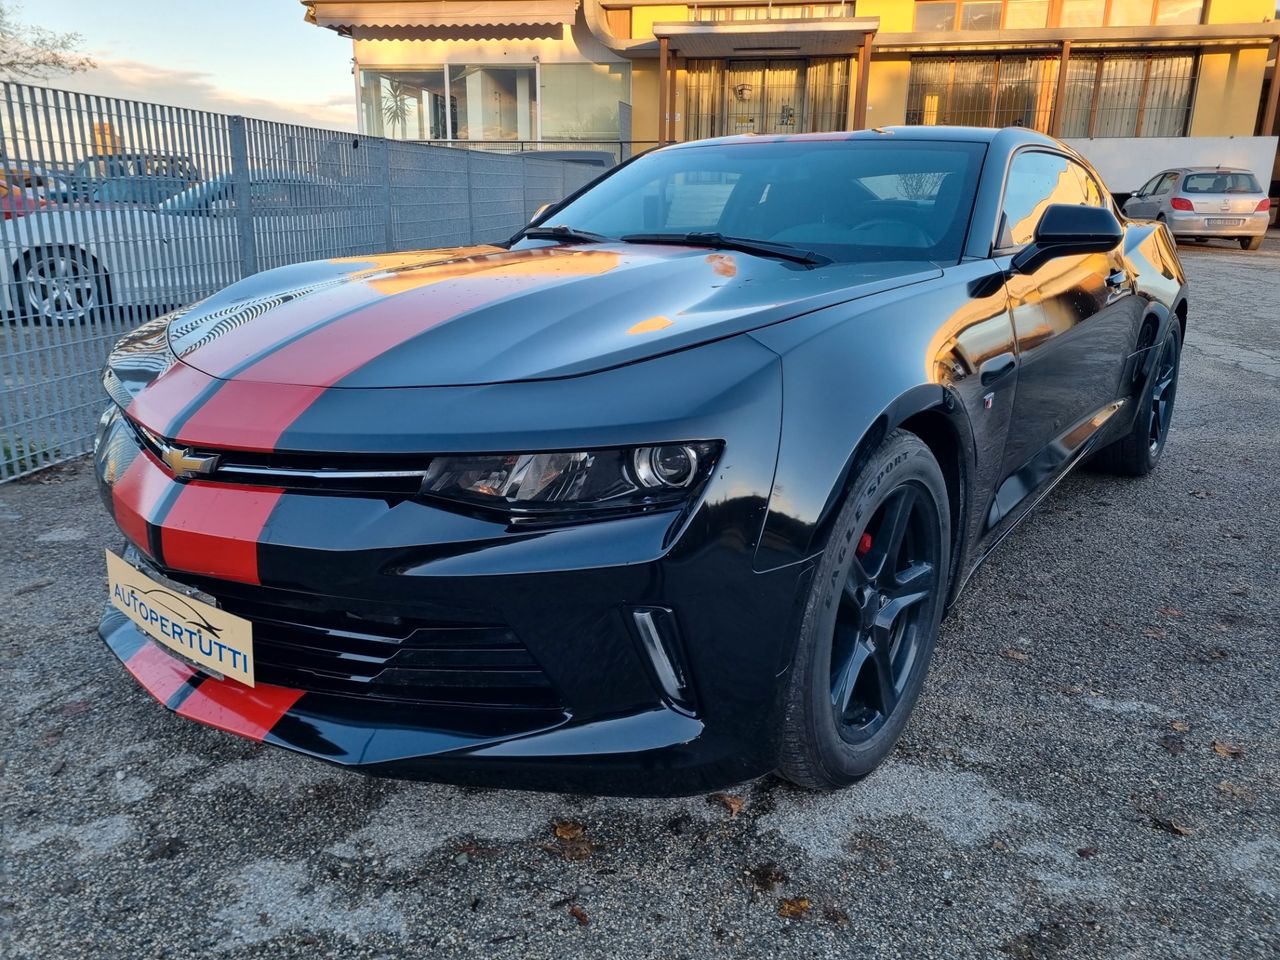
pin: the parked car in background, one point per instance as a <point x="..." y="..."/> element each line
<point x="17" y="201"/>
<point x="666" y="491"/>
<point x="146" y="178"/>
<point x="64" y="263"/>
<point x="1199" y="203"/>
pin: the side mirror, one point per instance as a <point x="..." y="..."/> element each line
<point x="1069" y="230"/>
<point x="537" y="214"/>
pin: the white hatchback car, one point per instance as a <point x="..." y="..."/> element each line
<point x="1199" y="203"/>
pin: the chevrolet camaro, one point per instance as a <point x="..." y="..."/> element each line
<point x="666" y="492"/>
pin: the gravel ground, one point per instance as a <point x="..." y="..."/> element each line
<point x="1092" y="772"/>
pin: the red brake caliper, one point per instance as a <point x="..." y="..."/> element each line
<point x="864" y="545"/>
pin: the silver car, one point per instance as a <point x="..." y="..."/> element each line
<point x="1202" y="202"/>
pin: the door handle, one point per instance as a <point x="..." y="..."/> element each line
<point x="997" y="368"/>
<point x="1117" y="279"/>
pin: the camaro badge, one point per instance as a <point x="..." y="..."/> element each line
<point x="186" y="464"/>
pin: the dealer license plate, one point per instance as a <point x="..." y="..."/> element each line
<point x="218" y="642"/>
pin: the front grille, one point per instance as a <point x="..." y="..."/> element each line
<point x="303" y="643"/>
<point x="394" y="658"/>
<point x="380" y="475"/>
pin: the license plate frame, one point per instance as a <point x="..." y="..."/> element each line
<point x="211" y="639"/>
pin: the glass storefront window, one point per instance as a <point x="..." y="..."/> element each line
<point x="1179" y="11"/>
<point x="404" y="104"/>
<point x="765" y="11"/>
<point x="935" y="15"/>
<point x="1083" y="13"/>
<point x="494" y="102"/>
<point x="980" y="15"/>
<point x="580" y="100"/>
<point x="1026" y="14"/>
<point x="1129" y="13"/>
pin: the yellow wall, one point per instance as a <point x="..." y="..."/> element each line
<point x="644" y="100"/>
<point x="1227" y="93"/>
<point x="643" y="18"/>
<point x="1240" y="11"/>
<point x="887" y="91"/>
<point x="896" y="16"/>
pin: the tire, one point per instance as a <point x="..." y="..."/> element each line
<point x="59" y="285"/>
<point x="1137" y="452"/>
<point x="1251" y="243"/>
<point x="866" y="640"/>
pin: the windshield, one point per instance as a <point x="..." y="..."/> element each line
<point x="846" y="200"/>
<point x="1220" y="183"/>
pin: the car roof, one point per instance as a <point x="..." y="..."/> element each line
<point x="913" y="133"/>
<point x="1208" y="170"/>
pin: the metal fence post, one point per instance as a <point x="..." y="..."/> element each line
<point x="240" y="178"/>
<point x="391" y="209"/>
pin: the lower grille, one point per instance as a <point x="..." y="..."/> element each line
<point x="327" y="650"/>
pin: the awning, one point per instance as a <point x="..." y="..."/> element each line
<point x="811" y="37"/>
<point x="347" y="15"/>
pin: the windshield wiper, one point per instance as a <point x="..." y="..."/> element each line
<point x="718" y="241"/>
<point x="562" y="232"/>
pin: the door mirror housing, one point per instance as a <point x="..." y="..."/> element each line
<point x="1069" y="230"/>
<point x="537" y="214"/>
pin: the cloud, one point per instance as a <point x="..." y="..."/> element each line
<point x="135" y="80"/>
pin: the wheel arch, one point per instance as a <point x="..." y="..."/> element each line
<point x="929" y="412"/>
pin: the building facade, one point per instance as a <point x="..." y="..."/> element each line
<point x="1190" y="79"/>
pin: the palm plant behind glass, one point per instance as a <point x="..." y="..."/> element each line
<point x="395" y="108"/>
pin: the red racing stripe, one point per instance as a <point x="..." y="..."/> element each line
<point x="136" y="496"/>
<point x="253" y="410"/>
<point x="164" y="399"/>
<point x="161" y="674"/>
<point x="248" y="711"/>
<point x="213" y="529"/>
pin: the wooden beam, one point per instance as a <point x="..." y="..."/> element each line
<point x="662" y="90"/>
<point x="671" y="100"/>
<point x="1273" y="94"/>
<point x="1060" y="95"/>
<point x="864" y="81"/>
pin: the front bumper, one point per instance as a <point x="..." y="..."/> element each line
<point x="1204" y="225"/>
<point x="359" y="603"/>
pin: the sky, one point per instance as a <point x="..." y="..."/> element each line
<point x="253" y="57"/>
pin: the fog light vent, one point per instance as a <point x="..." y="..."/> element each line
<point x="660" y="641"/>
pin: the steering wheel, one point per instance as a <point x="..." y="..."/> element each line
<point x="908" y="234"/>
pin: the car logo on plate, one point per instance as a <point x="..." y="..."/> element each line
<point x="185" y="463"/>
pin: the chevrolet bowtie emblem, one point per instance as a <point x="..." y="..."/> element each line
<point x="186" y="464"/>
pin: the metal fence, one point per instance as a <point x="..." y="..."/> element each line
<point x="116" y="211"/>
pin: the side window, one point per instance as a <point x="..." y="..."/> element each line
<point x="1166" y="184"/>
<point x="1148" y="188"/>
<point x="1036" y="180"/>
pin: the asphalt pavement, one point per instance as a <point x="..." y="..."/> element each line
<point x="1093" y="770"/>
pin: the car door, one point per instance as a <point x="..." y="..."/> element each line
<point x="1075" y="319"/>
<point x="1140" y="206"/>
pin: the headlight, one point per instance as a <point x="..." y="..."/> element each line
<point x="584" y="481"/>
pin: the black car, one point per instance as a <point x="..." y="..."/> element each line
<point x="669" y="491"/>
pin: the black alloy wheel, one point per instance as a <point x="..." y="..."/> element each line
<point x="871" y="618"/>
<point x="876" y="642"/>
<point x="1137" y="452"/>
<point x="1163" y="391"/>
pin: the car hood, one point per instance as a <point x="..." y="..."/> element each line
<point x="489" y="315"/>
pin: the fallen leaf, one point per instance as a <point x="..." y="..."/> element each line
<point x="579" y="914"/>
<point x="833" y="914"/>
<point x="1087" y="853"/>
<point x="1014" y="655"/>
<point x="1174" y="745"/>
<point x="1180" y="725"/>
<point x="1233" y="790"/>
<point x="767" y="876"/>
<point x="1169" y="825"/>
<point x="57" y="767"/>
<point x="569" y="830"/>
<point x="730" y="802"/>
<point x="1155" y="632"/>
<point x="576" y="849"/>
<point x="1239" y="591"/>
<point x="1072" y="690"/>
<point x="1228" y="750"/>
<point x="1212" y="655"/>
<point x="795" y="908"/>
<point x="1202" y="494"/>
<point x="1171" y="611"/>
